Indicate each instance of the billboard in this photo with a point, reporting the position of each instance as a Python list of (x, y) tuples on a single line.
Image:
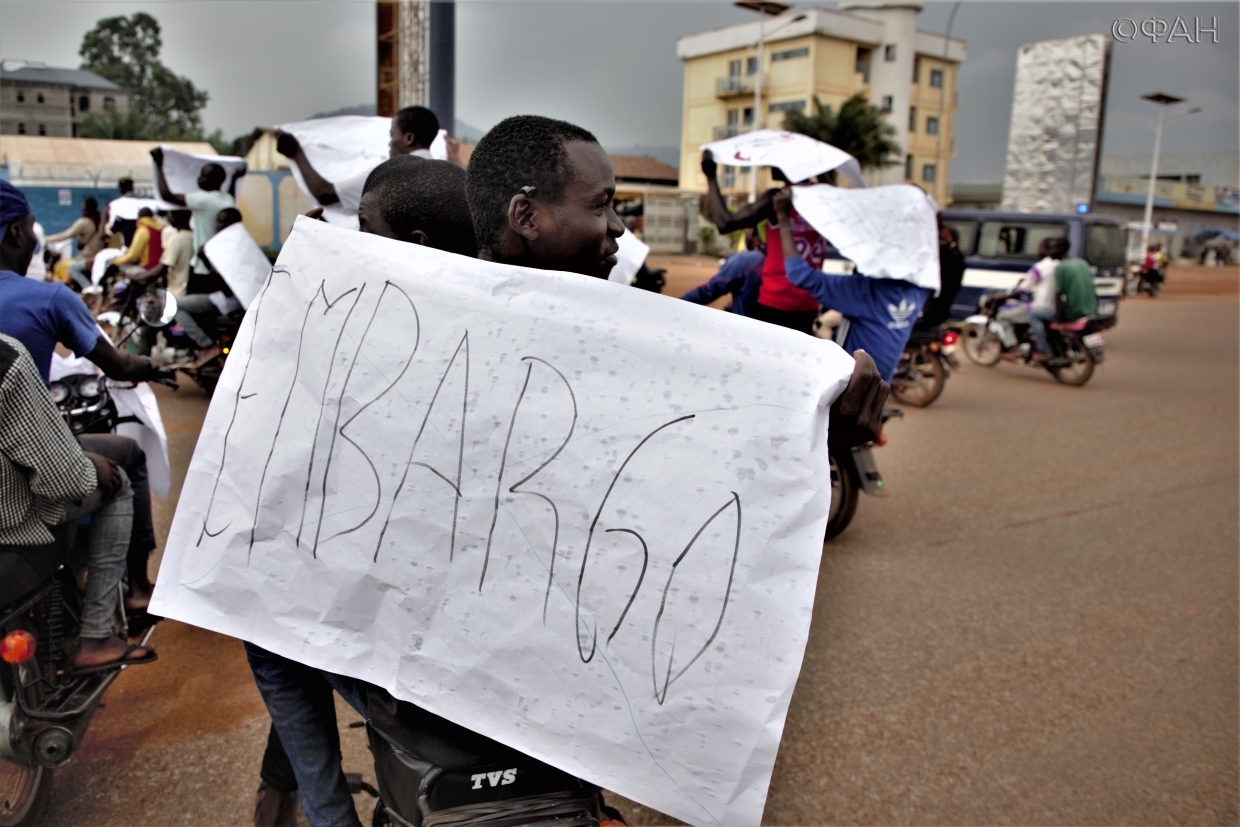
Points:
[(1055, 135)]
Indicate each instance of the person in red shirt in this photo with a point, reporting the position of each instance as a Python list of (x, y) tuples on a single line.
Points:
[(779, 301)]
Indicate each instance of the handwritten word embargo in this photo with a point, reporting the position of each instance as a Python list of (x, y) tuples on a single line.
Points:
[(1160, 30)]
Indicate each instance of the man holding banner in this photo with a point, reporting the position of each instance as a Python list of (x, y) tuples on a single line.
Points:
[(272, 541)]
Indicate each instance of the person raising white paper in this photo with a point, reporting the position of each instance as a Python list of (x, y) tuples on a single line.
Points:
[(413, 130)]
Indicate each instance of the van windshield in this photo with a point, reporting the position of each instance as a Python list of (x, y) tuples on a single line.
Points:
[(1104, 246), (1016, 239)]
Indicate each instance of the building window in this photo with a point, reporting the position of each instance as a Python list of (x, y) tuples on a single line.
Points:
[(887, 104), (21, 129), (863, 63), (912, 119), (39, 97), (734, 68), (751, 66), (928, 172), (21, 96), (916, 69), (729, 177), (936, 78), (932, 126), (42, 129), (889, 53), (109, 102), (908, 167), (1192, 179), (788, 106), (747, 119), (790, 54), (733, 120), (84, 103)]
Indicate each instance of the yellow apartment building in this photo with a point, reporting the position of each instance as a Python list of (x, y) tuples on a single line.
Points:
[(874, 48)]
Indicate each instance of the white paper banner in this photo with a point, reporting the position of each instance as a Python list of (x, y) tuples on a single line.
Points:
[(239, 261), (99, 266), (629, 258), (127, 206), (580, 519), (888, 232), (181, 172), (339, 149), (799, 156)]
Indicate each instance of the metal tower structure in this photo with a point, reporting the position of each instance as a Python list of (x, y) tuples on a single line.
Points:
[(403, 31)]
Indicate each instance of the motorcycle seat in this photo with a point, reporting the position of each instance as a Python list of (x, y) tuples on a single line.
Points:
[(1076, 325), (23, 569)]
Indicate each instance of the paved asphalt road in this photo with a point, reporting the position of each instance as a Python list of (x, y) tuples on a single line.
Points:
[(1038, 626)]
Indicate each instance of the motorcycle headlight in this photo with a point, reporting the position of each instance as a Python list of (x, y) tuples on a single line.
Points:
[(59, 392), (89, 388)]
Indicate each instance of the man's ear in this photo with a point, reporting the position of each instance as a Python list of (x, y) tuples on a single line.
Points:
[(418, 237), (521, 218)]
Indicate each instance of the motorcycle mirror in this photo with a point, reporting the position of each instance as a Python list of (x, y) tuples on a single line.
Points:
[(157, 308)]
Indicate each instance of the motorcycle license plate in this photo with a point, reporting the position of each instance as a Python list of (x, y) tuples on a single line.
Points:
[(1093, 340), (1106, 308)]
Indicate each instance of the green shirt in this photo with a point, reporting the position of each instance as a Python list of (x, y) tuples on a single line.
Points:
[(1075, 281)]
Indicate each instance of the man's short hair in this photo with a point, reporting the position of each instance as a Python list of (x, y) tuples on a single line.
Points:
[(420, 121), (525, 150), (90, 204), (416, 194), (145, 212), (125, 185), (1057, 247), (229, 215), (215, 171)]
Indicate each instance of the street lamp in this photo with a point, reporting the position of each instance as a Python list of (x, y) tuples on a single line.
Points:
[(764, 8), (1163, 100)]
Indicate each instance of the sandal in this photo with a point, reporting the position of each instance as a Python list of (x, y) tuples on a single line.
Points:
[(123, 660)]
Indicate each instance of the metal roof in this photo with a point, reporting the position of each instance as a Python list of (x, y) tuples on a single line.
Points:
[(82, 78), (38, 149)]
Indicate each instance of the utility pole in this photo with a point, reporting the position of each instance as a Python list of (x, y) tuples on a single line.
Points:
[(443, 63), (1163, 100), (764, 8)]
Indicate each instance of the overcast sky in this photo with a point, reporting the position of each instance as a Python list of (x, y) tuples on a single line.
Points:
[(612, 66)]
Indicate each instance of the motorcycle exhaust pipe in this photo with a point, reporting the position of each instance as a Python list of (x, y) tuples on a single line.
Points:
[(54, 747)]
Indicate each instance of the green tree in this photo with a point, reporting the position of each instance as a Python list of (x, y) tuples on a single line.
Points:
[(165, 106), (859, 129)]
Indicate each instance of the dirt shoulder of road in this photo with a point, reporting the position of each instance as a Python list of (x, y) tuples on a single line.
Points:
[(1192, 281)]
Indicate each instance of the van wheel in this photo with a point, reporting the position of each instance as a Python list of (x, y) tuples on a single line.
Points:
[(25, 793)]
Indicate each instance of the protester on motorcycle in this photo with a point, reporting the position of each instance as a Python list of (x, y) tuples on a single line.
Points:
[(1036, 293), (412, 131), (938, 309), (41, 314), (740, 275), (880, 311), (47, 480), (779, 301), (419, 202)]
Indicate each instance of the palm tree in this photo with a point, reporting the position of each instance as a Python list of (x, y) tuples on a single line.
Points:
[(860, 129)]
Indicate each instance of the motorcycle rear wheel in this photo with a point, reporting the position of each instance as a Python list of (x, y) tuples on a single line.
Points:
[(845, 492), (982, 345), (25, 793), (1081, 367), (920, 380)]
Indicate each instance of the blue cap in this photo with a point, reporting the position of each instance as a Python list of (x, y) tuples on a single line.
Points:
[(13, 206)]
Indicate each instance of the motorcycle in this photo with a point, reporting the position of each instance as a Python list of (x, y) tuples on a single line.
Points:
[(853, 472), (1143, 279), (45, 708), (924, 366), (156, 308), (1076, 346)]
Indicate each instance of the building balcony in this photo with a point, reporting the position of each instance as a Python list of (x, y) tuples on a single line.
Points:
[(732, 86)]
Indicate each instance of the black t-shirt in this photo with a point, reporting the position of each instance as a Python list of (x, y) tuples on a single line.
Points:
[(951, 275)]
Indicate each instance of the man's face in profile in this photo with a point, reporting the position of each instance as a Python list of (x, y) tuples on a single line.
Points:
[(579, 234)]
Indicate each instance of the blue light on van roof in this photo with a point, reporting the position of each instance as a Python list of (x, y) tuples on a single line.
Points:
[(1082, 208)]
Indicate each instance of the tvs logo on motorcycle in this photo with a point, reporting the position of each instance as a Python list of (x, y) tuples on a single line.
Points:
[(497, 779)]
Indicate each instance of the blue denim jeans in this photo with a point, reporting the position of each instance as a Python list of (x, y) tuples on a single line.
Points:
[(1037, 328), (299, 700)]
